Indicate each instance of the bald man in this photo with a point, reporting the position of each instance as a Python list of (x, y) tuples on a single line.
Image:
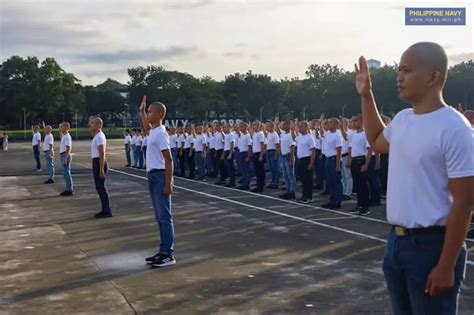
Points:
[(430, 183), (65, 152), (160, 179), (48, 148), (99, 165), (36, 144)]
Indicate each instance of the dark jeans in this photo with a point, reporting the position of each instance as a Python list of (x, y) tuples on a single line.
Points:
[(374, 182), (384, 173), (221, 165), (319, 167), (190, 163), (182, 163), (144, 156), (407, 263), (200, 160), (259, 167), (210, 162), (36, 153), (229, 167), (361, 181), (333, 181), (100, 184), (162, 209), (273, 166), (306, 177), (139, 156), (127, 154), (245, 168), (174, 153)]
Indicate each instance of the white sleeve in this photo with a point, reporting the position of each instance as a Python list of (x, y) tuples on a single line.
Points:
[(163, 142), (458, 150), (312, 143), (100, 140)]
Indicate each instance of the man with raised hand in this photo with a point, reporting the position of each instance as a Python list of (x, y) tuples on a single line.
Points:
[(36, 144), (430, 183), (48, 148), (65, 152), (159, 169), (99, 165)]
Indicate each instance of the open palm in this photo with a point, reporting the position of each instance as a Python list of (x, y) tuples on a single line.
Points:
[(363, 83)]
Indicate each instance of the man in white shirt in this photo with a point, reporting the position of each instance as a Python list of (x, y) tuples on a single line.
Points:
[(144, 146), (332, 149), (174, 149), (430, 183), (128, 143), (65, 152), (273, 147), (259, 150), (228, 156), (134, 148), (99, 165), (200, 147), (138, 149), (219, 145), (245, 155), (189, 151), (36, 144), (211, 150), (160, 180), (306, 154), (48, 148), (181, 157), (346, 176), (287, 159), (359, 159)]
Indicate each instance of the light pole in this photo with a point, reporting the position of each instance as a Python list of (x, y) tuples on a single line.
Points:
[(24, 121)]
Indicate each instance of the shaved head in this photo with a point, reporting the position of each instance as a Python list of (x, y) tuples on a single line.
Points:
[(432, 57), (160, 108)]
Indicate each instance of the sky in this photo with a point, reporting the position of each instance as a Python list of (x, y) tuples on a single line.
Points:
[(100, 39)]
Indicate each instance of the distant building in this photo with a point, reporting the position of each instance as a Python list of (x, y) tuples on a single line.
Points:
[(373, 64)]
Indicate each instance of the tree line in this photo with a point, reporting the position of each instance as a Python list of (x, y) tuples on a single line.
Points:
[(32, 91)]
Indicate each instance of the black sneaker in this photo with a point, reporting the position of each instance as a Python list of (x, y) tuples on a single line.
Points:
[(151, 259), (364, 211), (163, 261), (103, 215), (66, 193), (346, 197), (304, 201), (220, 182), (49, 181)]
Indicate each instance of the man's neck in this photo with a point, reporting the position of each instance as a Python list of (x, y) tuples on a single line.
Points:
[(429, 103), (157, 124)]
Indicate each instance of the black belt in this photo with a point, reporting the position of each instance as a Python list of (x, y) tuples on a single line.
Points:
[(345, 154), (401, 231), (358, 157), (155, 171)]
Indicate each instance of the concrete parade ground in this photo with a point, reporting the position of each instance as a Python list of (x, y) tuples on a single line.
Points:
[(237, 252)]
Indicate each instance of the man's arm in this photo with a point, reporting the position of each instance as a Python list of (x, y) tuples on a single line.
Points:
[(66, 154), (441, 277), (368, 157), (373, 123), (338, 159), (143, 115), (312, 159), (101, 149), (168, 190)]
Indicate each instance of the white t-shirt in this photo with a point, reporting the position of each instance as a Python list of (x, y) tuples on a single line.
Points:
[(257, 140), (425, 151), (182, 139), (134, 140), (36, 139), (272, 140), (48, 140), (286, 143), (358, 144), (66, 141), (98, 140), (173, 141), (219, 141), (201, 140), (304, 143), (189, 140), (158, 141), (128, 139), (345, 143), (145, 141), (229, 138), (244, 142), (317, 141), (211, 141), (139, 141), (332, 141)]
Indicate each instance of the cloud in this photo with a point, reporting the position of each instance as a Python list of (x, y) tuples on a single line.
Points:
[(458, 58), (233, 54), (137, 55), (180, 5)]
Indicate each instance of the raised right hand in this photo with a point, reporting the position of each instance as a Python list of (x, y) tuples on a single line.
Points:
[(363, 82)]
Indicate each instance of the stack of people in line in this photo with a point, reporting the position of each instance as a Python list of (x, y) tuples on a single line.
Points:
[(135, 145), (332, 155)]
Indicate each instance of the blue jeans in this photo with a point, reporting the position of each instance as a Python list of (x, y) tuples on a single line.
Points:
[(407, 263), (36, 153), (229, 167), (174, 154), (237, 161), (374, 182), (273, 166), (67, 172), (49, 164), (288, 173), (134, 153), (210, 161), (127, 154), (200, 164), (162, 208), (144, 156), (100, 184), (333, 181), (245, 168), (320, 166), (139, 158)]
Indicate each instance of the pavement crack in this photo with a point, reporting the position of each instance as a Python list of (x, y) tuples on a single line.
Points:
[(106, 278)]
